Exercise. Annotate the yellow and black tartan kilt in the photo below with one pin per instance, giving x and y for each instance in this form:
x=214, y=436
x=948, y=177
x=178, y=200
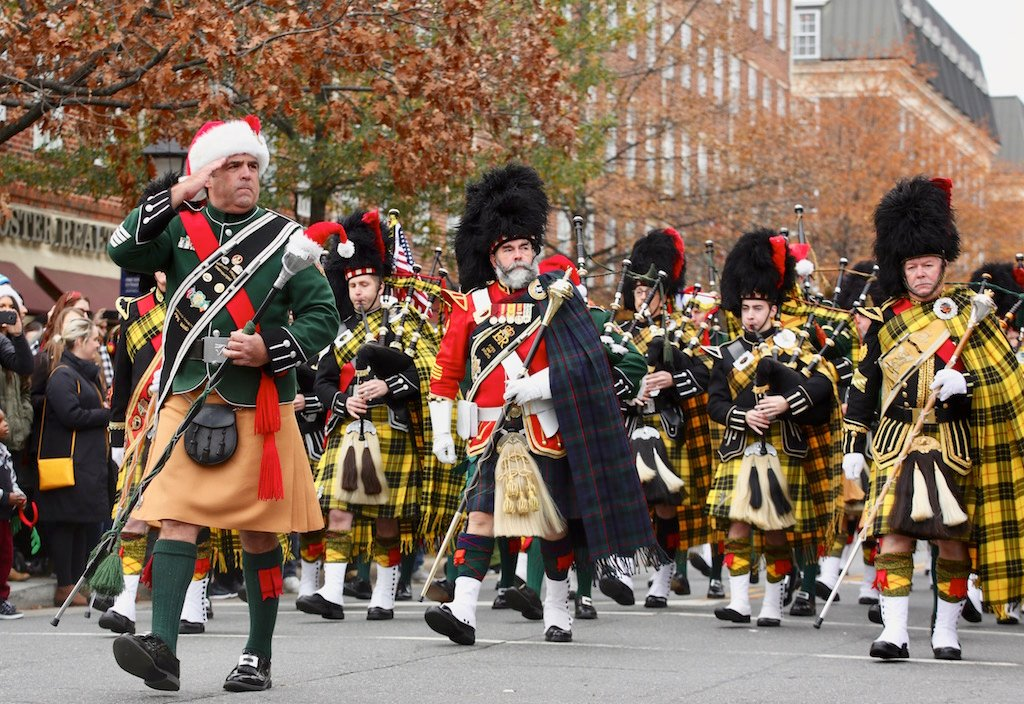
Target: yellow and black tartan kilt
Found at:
x=690, y=457
x=364, y=530
x=401, y=470
x=226, y=548
x=811, y=487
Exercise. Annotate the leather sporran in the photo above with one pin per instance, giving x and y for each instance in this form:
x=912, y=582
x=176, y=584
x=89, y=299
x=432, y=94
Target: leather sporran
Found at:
x=212, y=437
x=929, y=503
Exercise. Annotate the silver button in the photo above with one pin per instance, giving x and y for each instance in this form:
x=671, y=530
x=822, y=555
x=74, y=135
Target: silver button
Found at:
x=292, y=355
x=228, y=232
x=287, y=342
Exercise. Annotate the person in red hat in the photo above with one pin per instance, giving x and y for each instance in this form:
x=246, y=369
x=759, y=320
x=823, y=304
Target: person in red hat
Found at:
x=242, y=464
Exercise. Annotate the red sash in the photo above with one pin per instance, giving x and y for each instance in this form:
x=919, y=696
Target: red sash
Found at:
x=268, y=415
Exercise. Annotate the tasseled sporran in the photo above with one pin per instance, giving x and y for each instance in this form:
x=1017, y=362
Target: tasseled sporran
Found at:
x=661, y=484
x=761, y=496
x=929, y=503
x=522, y=504
x=360, y=478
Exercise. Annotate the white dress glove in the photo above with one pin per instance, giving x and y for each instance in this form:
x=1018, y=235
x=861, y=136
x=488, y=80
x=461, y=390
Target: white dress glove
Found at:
x=949, y=382
x=154, y=388
x=854, y=465
x=529, y=388
x=117, y=454
x=441, y=426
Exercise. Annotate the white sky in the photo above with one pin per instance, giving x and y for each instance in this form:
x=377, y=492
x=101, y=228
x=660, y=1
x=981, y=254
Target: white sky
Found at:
x=994, y=29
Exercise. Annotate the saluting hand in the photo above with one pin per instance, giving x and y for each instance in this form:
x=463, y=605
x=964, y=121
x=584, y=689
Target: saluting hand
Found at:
x=191, y=185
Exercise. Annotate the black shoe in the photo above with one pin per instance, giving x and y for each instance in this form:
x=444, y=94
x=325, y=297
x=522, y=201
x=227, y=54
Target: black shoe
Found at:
x=822, y=590
x=526, y=601
x=403, y=593
x=501, y=601
x=946, y=653
x=889, y=651
x=358, y=589
x=243, y=595
x=656, y=602
x=441, y=591
x=190, y=627
x=615, y=588
x=971, y=613
x=803, y=605
x=724, y=613
x=554, y=634
x=697, y=562
x=316, y=604
x=680, y=585
x=867, y=600
x=251, y=674
x=148, y=657
x=118, y=623
x=769, y=622
x=216, y=590
x=716, y=590
x=377, y=613
x=875, y=614
x=102, y=603
x=793, y=580
x=585, y=608
x=443, y=621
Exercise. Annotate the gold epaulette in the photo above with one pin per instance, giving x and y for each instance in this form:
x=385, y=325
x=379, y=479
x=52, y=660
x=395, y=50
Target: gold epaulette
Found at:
x=872, y=313
x=455, y=299
x=122, y=304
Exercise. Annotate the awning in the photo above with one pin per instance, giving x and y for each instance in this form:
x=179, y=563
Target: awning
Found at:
x=101, y=291
x=36, y=299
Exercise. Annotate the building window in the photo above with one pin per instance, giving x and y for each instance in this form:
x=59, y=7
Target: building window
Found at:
x=734, y=84
x=668, y=171
x=719, y=74
x=766, y=94
x=702, y=70
x=630, y=145
x=768, y=19
x=752, y=84
x=807, y=34
x=780, y=100
x=781, y=16
x=752, y=15
x=684, y=162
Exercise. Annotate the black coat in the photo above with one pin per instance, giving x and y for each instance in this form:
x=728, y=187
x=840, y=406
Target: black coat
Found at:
x=74, y=405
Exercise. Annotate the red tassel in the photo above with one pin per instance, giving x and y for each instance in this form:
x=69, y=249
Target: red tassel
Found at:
x=268, y=415
x=271, y=485
x=147, y=573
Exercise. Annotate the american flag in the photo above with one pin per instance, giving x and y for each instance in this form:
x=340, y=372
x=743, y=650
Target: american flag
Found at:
x=404, y=260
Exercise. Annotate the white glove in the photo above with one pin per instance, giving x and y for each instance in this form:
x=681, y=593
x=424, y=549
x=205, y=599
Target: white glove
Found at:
x=441, y=426
x=117, y=454
x=529, y=388
x=854, y=465
x=154, y=388
x=949, y=382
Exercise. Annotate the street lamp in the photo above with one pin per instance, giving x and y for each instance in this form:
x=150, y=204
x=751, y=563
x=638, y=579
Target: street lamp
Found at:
x=166, y=155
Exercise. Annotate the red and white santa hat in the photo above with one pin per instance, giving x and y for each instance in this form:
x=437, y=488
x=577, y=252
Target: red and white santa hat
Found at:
x=218, y=139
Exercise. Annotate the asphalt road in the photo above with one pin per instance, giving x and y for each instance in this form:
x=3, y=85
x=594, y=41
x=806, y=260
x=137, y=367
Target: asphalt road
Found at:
x=630, y=654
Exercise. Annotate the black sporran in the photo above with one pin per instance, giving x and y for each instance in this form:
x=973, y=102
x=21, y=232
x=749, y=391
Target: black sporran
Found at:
x=212, y=437
x=929, y=503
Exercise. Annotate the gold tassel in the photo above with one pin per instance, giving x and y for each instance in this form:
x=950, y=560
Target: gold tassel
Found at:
x=952, y=514
x=740, y=509
x=527, y=507
x=920, y=505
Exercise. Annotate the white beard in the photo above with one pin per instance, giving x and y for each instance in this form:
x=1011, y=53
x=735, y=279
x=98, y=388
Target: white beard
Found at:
x=517, y=277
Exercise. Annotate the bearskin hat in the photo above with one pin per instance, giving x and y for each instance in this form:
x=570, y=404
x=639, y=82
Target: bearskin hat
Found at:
x=914, y=219
x=760, y=265
x=1005, y=276
x=507, y=203
x=664, y=250
x=360, y=250
x=853, y=283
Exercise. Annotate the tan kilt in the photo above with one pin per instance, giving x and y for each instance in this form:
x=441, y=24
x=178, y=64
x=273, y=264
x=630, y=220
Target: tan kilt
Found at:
x=225, y=495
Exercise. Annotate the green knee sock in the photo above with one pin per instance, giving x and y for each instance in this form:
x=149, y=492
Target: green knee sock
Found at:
x=363, y=569
x=585, y=580
x=809, y=573
x=534, y=566
x=682, y=562
x=508, y=563
x=263, y=591
x=174, y=561
x=405, y=569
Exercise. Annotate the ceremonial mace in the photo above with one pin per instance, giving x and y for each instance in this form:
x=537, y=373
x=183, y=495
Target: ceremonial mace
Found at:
x=981, y=305
x=302, y=251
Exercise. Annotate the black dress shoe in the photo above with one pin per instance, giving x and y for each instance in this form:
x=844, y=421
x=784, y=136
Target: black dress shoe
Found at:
x=697, y=562
x=358, y=589
x=190, y=627
x=889, y=651
x=501, y=601
x=680, y=585
x=803, y=605
x=316, y=604
x=822, y=590
x=118, y=623
x=403, y=593
x=970, y=612
x=585, y=608
x=148, y=657
x=102, y=603
x=946, y=653
x=251, y=674
x=441, y=591
x=724, y=613
x=524, y=600
x=376, y=613
x=716, y=590
x=443, y=621
x=554, y=634
x=875, y=614
x=866, y=600
x=656, y=602
x=614, y=588
x=769, y=622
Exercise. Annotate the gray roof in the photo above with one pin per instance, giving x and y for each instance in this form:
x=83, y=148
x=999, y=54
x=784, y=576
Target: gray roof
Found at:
x=875, y=29
x=1009, y=112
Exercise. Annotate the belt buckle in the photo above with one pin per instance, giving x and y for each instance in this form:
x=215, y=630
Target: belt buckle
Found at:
x=213, y=349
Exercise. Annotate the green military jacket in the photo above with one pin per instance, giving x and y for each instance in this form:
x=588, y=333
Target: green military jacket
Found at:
x=301, y=321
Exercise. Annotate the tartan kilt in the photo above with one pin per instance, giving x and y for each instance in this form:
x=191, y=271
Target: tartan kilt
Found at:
x=810, y=486
x=225, y=543
x=440, y=488
x=556, y=475
x=401, y=470
x=364, y=531
x=691, y=460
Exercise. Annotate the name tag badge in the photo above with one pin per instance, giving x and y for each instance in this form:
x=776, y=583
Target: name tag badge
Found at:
x=743, y=361
x=213, y=349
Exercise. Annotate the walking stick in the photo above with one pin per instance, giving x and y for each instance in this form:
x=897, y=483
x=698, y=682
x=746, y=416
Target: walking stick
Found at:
x=981, y=305
x=302, y=251
x=557, y=295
